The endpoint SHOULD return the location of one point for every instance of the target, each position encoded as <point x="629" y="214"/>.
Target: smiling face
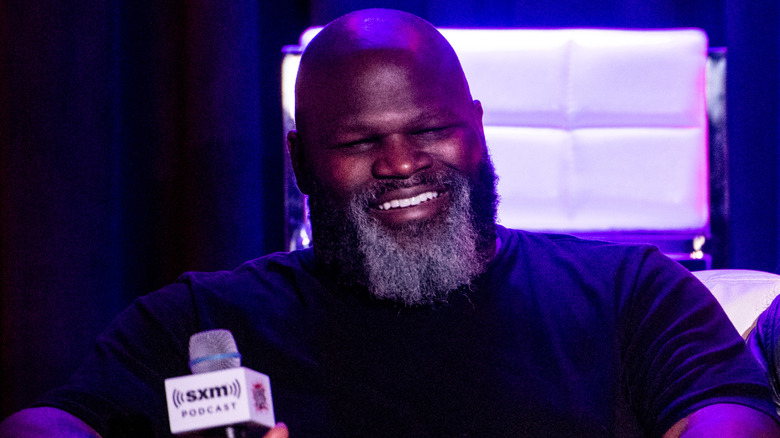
<point x="388" y="121"/>
<point x="383" y="114"/>
<point x="389" y="137"/>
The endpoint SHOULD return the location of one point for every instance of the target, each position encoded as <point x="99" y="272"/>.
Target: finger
<point x="279" y="431"/>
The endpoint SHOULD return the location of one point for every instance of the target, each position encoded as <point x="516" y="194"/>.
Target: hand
<point x="279" y="431"/>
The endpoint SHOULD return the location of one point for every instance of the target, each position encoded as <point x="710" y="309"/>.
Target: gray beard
<point x="422" y="262"/>
<point x="419" y="263"/>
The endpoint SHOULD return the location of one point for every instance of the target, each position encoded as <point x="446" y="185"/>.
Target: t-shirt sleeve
<point x="681" y="353"/>
<point x="119" y="388"/>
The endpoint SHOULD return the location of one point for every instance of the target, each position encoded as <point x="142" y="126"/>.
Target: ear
<point x="295" y="148"/>
<point x="478" y="112"/>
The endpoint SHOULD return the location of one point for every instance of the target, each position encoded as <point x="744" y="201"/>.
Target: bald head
<point x="356" y="43"/>
<point x="377" y="29"/>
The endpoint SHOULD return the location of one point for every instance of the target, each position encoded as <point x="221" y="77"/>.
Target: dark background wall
<point x="140" y="139"/>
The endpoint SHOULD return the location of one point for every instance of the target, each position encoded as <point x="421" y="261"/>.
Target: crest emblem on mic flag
<point x="258" y="394"/>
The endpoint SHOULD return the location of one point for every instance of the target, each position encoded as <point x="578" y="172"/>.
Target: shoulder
<point x="196" y="301"/>
<point x="520" y="239"/>
<point x="276" y="266"/>
<point x="274" y="274"/>
<point x="546" y="250"/>
<point x="630" y="279"/>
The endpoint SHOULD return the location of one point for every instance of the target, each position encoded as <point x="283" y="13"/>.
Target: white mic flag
<point x="221" y="393"/>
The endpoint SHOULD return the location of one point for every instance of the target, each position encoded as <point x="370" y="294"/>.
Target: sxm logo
<point x="232" y="389"/>
<point x="213" y="399"/>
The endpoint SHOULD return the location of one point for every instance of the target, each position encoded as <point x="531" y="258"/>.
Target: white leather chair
<point x="742" y="293"/>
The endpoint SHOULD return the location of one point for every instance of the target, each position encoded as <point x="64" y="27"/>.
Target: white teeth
<point x="415" y="200"/>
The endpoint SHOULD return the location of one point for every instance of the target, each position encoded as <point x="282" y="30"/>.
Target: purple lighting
<point x="593" y="131"/>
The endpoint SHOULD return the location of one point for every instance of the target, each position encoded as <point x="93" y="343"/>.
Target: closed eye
<point x="356" y="146"/>
<point x="434" y="132"/>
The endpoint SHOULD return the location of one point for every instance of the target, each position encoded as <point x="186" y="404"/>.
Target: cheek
<point x="464" y="153"/>
<point x="343" y="176"/>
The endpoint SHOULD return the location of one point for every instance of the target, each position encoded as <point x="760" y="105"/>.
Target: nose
<point x="400" y="158"/>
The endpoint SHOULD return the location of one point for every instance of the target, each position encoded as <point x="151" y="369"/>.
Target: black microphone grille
<point x="213" y="350"/>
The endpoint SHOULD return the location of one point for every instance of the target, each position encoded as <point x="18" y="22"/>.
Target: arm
<point x="45" y="422"/>
<point x="725" y="420"/>
<point x="49" y="422"/>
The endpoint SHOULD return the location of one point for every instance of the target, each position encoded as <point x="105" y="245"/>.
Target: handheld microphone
<point x="220" y="392"/>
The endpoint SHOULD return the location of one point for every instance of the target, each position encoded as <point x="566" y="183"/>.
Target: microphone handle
<point x="235" y="432"/>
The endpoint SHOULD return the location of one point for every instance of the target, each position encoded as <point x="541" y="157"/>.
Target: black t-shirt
<point x="560" y="337"/>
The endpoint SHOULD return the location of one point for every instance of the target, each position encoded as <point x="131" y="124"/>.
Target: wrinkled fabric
<point x="560" y="337"/>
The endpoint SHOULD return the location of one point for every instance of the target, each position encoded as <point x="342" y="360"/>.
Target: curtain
<point x="140" y="139"/>
<point x="753" y="96"/>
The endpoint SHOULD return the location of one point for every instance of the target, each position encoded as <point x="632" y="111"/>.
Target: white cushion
<point x="742" y="293"/>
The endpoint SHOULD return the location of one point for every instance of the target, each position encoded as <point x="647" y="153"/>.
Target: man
<point x="414" y="314"/>
<point x="763" y="340"/>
